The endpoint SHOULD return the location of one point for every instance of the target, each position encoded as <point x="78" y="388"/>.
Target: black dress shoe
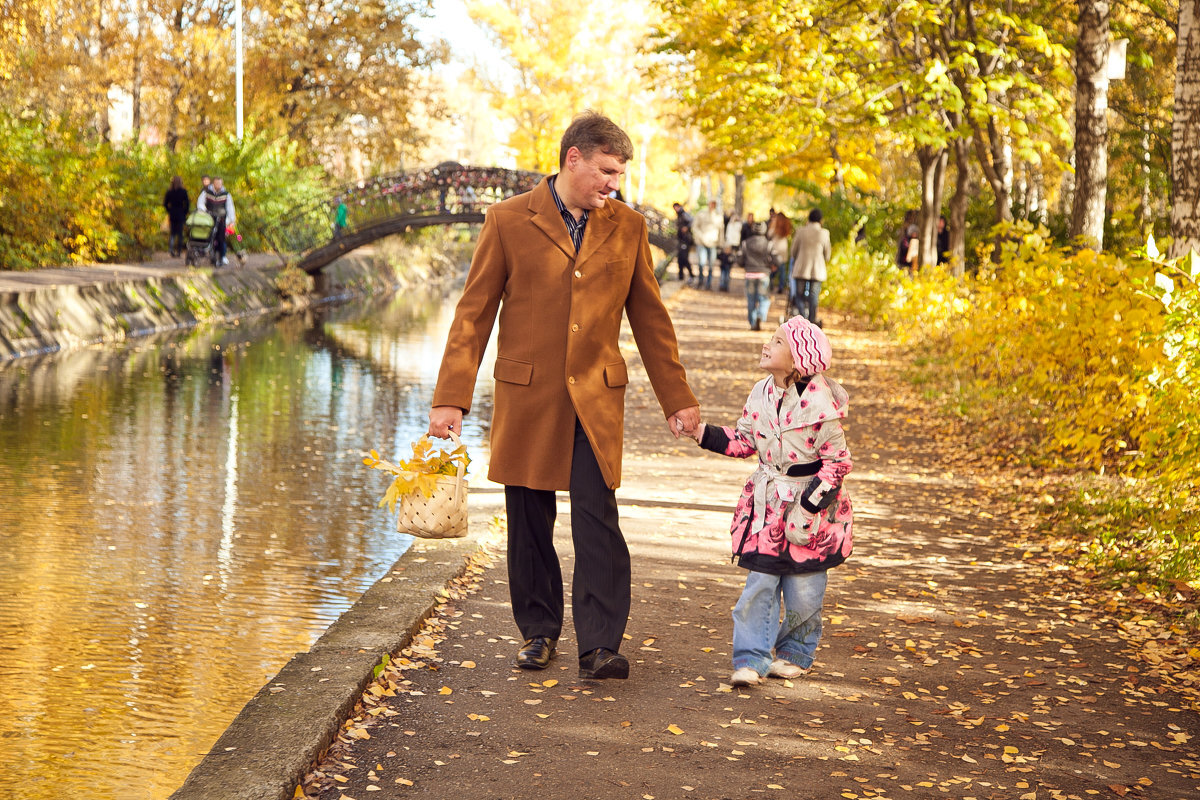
<point x="536" y="653"/>
<point x="603" y="663"/>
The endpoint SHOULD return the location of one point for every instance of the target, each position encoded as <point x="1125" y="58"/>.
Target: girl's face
<point x="777" y="356"/>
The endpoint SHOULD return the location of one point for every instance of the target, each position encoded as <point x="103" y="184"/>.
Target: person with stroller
<point x="811" y="251"/>
<point x="177" y="203"/>
<point x="216" y="200"/>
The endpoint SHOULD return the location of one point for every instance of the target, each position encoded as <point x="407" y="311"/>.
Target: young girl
<point x="792" y="522"/>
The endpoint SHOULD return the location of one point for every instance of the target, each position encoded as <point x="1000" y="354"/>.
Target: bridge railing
<point x="445" y="193"/>
<point x="442" y="190"/>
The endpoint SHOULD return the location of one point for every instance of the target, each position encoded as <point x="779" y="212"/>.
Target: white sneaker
<point x="744" y="676"/>
<point x="785" y="669"/>
<point x="224" y="262"/>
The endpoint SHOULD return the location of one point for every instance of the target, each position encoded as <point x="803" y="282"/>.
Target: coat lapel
<point x="601" y="224"/>
<point x="547" y="218"/>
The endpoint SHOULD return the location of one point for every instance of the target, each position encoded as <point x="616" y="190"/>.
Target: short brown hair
<point x="592" y="131"/>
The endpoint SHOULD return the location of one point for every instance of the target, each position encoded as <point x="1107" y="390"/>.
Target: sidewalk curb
<point x="274" y="740"/>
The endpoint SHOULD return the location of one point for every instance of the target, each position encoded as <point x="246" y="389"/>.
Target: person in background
<point x="205" y="182"/>
<point x="339" y="219"/>
<point x="756" y="259"/>
<point x="707" y="230"/>
<point x="747" y="226"/>
<point x="686" y="239"/>
<point x="943" y="241"/>
<point x="177" y="203"/>
<point x="725" y="260"/>
<point x="216" y="200"/>
<point x="779" y="229"/>
<point x="733" y="231"/>
<point x="811" y="251"/>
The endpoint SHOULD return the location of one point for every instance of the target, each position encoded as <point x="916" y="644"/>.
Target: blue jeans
<point x="805" y="295"/>
<point x="757" y="629"/>
<point x="706" y="258"/>
<point x="758" y="300"/>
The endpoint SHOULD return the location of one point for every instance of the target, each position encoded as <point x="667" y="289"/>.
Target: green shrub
<point x="65" y="199"/>
<point x="862" y="283"/>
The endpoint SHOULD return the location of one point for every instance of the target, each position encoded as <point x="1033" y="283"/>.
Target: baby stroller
<point x="198" y="236"/>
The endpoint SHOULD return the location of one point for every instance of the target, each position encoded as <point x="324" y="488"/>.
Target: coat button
<point x="575" y="327"/>
<point x="571" y="380"/>
<point x="578" y="274"/>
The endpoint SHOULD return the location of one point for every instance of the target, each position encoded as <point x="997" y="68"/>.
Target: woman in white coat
<point x="811" y="251"/>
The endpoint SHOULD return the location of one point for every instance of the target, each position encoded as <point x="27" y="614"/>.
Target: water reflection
<point x="180" y="517"/>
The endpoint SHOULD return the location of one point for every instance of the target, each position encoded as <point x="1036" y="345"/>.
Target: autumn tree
<point x="1185" y="134"/>
<point x="973" y="78"/>
<point x="332" y="74"/>
<point x="560" y="58"/>
<point x="1091" y="124"/>
<point x="1139" y="169"/>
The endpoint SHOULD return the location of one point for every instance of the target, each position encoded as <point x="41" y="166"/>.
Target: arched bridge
<point x="389" y="204"/>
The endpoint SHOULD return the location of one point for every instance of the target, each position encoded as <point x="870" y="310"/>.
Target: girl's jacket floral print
<point x="792" y="516"/>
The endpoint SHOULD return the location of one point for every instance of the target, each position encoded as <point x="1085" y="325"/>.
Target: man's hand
<point x="443" y="419"/>
<point x="684" y="421"/>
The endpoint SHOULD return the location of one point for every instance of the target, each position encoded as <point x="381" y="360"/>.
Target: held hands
<point x="686" y="421"/>
<point x="443" y="419"/>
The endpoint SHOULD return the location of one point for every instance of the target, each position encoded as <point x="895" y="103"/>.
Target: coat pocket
<point x="615" y="375"/>
<point x="617" y="265"/>
<point x="510" y="370"/>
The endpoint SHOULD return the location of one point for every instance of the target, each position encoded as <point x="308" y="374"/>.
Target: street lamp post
<point x="237" y="36"/>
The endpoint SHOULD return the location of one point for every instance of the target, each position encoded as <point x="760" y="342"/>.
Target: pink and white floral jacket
<point x="792" y="516"/>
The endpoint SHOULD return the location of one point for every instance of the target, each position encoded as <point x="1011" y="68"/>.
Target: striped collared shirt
<point x="574" y="226"/>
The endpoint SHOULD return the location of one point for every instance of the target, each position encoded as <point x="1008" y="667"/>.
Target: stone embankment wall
<point x="49" y="318"/>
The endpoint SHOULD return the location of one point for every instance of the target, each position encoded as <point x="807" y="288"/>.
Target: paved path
<point x="953" y="665"/>
<point x="159" y="265"/>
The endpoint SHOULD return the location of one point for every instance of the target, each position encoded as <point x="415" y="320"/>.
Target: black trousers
<point x="600" y="588"/>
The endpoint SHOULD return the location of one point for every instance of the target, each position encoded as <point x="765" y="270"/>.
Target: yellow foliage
<point x="419" y="473"/>
<point x="1060" y="345"/>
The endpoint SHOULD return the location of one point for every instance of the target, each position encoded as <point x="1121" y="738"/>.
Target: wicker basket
<point x="442" y="515"/>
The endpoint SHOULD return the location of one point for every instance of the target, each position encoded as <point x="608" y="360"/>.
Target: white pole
<point x="238" y="62"/>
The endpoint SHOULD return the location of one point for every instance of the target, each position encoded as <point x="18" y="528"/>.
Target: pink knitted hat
<point x="810" y="348"/>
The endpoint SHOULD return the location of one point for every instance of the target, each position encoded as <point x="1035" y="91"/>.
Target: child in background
<point x="725" y="263"/>
<point x="793" y="521"/>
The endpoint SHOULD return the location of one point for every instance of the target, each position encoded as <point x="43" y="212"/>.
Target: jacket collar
<point x="601" y="223"/>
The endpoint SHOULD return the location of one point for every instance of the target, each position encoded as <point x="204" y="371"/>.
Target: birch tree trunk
<point x="1091" y="125"/>
<point x="933" y="181"/>
<point x="958" y="206"/>
<point x="1185" y="134"/>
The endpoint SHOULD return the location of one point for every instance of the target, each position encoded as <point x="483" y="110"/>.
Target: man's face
<point x="218" y="183"/>
<point x="593" y="178"/>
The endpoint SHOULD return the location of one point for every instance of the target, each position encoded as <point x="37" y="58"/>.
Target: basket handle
<point x="462" y="467"/>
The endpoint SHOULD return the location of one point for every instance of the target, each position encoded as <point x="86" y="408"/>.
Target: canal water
<point x="180" y="516"/>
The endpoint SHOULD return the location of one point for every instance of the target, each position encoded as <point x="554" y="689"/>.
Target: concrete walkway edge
<point x="280" y="733"/>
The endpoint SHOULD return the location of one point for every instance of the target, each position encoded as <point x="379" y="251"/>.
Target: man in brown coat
<point x="559" y="265"/>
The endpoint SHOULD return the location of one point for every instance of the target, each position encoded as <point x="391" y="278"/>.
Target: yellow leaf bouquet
<point x="419" y="473"/>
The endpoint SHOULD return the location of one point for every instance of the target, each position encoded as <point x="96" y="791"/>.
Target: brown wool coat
<point x="560" y="320"/>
